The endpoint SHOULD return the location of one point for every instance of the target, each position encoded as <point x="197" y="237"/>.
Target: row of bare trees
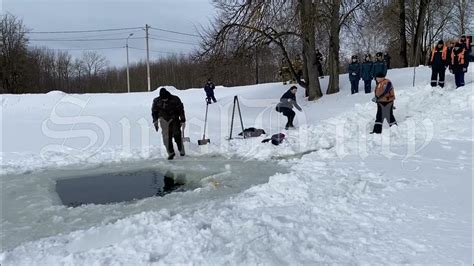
<point x="248" y="43"/>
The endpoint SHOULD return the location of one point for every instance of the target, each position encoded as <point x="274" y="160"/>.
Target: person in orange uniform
<point x="384" y="97"/>
<point x="438" y="64"/>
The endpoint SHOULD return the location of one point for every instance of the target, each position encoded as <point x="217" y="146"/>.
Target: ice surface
<point x="402" y="197"/>
<point x="31" y="208"/>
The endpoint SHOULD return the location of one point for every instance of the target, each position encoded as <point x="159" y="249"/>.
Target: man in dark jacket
<point x="379" y="67"/>
<point x="319" y="63"/>
<point x="168" y="112"/>
<point x="354" y="74"/>
<point x="387" y="58"/>
<point x="459" y="64"/>
<point x="366" y="74"/>
<point x="285" y="106"/>
<point x="438" y="63"/>
<point x="209" y="89"/>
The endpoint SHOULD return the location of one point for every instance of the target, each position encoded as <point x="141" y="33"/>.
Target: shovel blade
<point x="204" y="141"/>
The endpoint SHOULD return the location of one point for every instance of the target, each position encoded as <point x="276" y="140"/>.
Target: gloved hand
<point x="354" y="74"/>
<point x="155" y="123"/>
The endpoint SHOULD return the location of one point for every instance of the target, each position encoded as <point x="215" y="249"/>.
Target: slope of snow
<point x="350" y="197"/>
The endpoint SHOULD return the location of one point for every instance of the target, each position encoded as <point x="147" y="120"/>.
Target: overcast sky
<point x="185" y="16"/>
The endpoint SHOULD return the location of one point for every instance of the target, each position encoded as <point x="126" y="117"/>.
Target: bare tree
<point x="464" y="18"/>
<point x="242" y="25"/>
<point x="403" y="55"/>
<point x="93" y="63"/>
<point x="13" y="53"/>
<point x="416" y="50"/>
<point x="337" y="14"/>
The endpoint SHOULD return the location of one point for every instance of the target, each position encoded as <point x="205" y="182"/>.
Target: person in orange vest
<point x="384" y="97"/>
<point x="459" y="64"/>
<point x="438" y="64"/>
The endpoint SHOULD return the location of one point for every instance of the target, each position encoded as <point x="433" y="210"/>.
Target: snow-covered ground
<point x="348" y="197"/>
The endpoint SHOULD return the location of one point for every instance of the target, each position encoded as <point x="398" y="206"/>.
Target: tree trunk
<point x="420" y="27"/>
<point x="309" y="50"/>
<point x="333" y="57"/>
<point x="403" y="36"/>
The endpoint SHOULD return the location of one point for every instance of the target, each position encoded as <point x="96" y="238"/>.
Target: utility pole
<point x="147" y="58"/>
<point x="256" y="64"/>
<point x="128" y="72"/>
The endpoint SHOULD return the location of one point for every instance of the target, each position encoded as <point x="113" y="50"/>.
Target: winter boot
<point x="171" y="156"/>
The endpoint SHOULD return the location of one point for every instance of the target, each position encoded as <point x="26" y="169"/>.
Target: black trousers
<point x="171" y="130"/>
<point x="320" y="70"/>
<point x="210" y="96"/>
<point x="435" y="73"/>
<point x="459" y="77"/>
<point x="368" y="86"/>
<point x="290" y="114"/>
<point x="384" y="111"/>
<point x="354" y="86"/>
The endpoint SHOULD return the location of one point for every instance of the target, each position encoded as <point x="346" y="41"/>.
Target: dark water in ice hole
<point x="118" y="186"/>
<point x="30" y="201"/>
<point x="123" y="184"/>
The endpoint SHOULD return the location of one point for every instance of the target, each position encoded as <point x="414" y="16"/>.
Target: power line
<point x="175" y="32"/>
<point x="155" y="51"/>
<point x="82" y="31"/>
<point x="88" y="49"/>
<point x="93" y="36"/>
<point x="81" y="40"/>
<point x="173" y="41"/>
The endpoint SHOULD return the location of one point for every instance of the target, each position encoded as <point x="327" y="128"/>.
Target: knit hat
<point x="164" y="93"/>
<point x="380" y="75"/>
<point x="440" y="42"/>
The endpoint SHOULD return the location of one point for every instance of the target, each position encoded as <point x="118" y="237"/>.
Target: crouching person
<point x="384" y="97"/>
<point x="168" y="113"/>
<point x="285" y="106"/>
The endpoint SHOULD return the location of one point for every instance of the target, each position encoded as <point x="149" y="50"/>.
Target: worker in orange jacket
<point x="384" y="97"/>
<point x="459" y="63"/>
<point x="438" y="64"/>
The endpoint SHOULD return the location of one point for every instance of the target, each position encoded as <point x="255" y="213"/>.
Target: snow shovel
<point x="205" y="141"/>
<point x="185" y="139"/>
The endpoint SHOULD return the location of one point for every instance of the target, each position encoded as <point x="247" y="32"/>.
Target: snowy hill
<point x="404" y="196"/>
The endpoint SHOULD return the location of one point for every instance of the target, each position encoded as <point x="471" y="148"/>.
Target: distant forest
<point x="248" y="43"/>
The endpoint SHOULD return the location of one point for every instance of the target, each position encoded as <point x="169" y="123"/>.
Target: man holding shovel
<point x="168" y="112"/>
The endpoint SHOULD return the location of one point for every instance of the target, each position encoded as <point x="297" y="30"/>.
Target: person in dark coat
<point x="438" y="64"/>
<point x="366" y="73"/>
<point x="387" y="58"/>
<point x="319" y="63"/>
<point x="168" y="113"/>
<point x="209" y="89"/>
<point x="354" y="74"/>
<point x="285" y="106"/>
<point x="465" y="42"/>
<point x="384" y="97"/>
<point x="459" y="64"/>
<point x="379" y="66"/>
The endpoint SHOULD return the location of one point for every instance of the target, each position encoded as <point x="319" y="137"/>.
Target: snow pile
<point x="404" y="196"/>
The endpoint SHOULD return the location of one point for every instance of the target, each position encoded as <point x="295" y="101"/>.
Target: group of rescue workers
<point x="168" y="110"/>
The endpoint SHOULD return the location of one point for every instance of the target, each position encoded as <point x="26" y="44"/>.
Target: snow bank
<point x="350" y="197"/>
